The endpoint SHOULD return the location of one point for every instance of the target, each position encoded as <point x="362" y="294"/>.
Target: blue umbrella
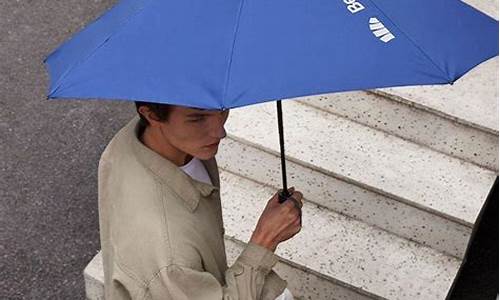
<point x="225" y="54"/>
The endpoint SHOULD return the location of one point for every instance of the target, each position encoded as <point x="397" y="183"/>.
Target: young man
<point x="162" y="235"/>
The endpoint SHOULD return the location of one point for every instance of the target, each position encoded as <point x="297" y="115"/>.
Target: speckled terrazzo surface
<point x="339" y="247"/>
<point x="413" y="123"/>
<point x="473" y="98"/>
<point x="346" y="198"/>
<point x="428" y="179"/>
<point x="303" y="284"/>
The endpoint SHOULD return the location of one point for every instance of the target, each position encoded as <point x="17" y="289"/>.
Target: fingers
<point x="275" y="199"/>
<point x="295" y="203"/>
<point x="298" y="197"/>
<point x="294" y="207"/>
<point x="298" y="210"/>
<point x="290" y="213"/>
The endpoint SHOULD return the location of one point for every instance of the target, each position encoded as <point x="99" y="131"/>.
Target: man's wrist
<point x="262" y="241"/>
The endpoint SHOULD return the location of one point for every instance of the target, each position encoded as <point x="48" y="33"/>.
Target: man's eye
<point x="196" y="120"/>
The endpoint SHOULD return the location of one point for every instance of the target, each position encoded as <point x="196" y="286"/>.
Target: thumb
<point x="290" y="191"/>
<point x="275" y="200"/>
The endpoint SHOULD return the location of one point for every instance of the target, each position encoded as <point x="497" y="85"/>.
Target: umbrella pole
<point x="283" y="195"/>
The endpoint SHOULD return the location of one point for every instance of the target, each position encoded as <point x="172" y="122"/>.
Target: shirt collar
<point x="187" y="188"/>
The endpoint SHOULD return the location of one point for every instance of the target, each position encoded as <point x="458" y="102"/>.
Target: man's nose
<point x="220" y="132"/>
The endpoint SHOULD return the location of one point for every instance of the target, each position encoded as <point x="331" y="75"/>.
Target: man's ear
<point x="148" y="114"/>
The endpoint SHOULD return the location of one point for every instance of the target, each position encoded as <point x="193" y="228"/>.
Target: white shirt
<point x="196" y="170"/>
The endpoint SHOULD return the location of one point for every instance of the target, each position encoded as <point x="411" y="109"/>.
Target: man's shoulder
<point x="116" y="146"/>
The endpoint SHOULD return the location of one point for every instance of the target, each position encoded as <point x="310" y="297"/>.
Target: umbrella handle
<point x="283" y="195"/>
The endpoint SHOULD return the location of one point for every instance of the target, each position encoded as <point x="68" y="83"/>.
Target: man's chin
<point x="210" y="156"/>
<point x="206" y="155"/>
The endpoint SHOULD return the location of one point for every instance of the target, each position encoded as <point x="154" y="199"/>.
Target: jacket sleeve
<point x="250" y="277"/>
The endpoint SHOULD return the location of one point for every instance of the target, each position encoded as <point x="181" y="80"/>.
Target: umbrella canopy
<point x="224" y="54"/>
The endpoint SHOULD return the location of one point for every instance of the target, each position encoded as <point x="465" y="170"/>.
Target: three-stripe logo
<point x="379" y="30"/>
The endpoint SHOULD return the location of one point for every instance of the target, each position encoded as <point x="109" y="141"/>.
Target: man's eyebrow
<point x="197" y="115"/>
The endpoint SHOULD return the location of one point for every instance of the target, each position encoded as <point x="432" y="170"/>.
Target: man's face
<point x="195" y="131"/>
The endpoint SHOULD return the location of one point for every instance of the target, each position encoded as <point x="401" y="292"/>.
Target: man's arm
<point x="250" y="277"/>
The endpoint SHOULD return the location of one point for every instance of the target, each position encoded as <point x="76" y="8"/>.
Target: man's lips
<point x="213" y="145"/>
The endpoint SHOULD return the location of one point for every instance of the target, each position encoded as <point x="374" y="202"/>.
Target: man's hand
<point x="279" y="221"/>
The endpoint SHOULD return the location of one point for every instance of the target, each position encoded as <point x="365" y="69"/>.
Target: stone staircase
<point x="393" y="181"/>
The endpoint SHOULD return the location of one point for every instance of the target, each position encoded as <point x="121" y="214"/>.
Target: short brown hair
<point x="161" y="111"/>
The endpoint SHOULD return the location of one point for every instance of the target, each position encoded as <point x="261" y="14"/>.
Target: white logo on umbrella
<point x="379" y="30"/>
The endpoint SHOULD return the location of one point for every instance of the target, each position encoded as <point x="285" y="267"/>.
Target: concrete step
<point x="93" y="275"/>
<point x="472" y="102"/>
<point x="389" y="173"/>
<point x="334" y="256"/>
<point x="305" y="283"/>
<point x="346" y="197"/>
<point x="413" y="122"/>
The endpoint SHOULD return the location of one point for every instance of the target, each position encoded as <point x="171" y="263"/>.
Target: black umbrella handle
<point x="283" y="194"/>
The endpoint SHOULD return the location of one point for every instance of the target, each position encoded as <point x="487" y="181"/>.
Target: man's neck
<point x="158" y="144"/>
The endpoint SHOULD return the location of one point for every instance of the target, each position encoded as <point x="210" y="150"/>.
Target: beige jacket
<point x="162" y="234"/>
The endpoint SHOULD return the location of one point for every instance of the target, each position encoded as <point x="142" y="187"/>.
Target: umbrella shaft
<point x="284" y="193"/>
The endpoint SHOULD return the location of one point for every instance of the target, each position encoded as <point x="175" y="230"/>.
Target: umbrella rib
<point x="228" y="71"/>
<point x="450" y="80"/>
<point x="134" y="11"/>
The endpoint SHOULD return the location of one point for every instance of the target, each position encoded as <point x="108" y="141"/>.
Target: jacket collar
<point x="187" y="188"/>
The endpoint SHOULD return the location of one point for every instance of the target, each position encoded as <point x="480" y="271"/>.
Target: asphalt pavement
<point x="49" y="155"/>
